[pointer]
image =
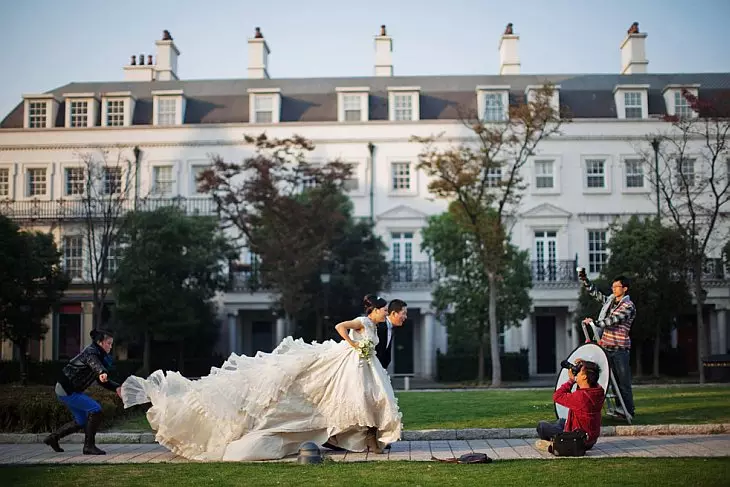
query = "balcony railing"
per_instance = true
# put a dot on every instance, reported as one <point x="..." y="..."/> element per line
<point x="553" y="273"/>
<point x="73" y="209"/>
<point x="411" y="275"/>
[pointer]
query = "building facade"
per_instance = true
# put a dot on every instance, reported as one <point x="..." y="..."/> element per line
<point x="579" y="182"/>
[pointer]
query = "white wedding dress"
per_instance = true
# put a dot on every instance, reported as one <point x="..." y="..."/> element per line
<point x="265" y="407"/>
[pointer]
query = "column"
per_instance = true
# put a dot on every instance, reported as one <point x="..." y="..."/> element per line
<point x="429" y="328"/>
<point x="87" y="322"/>
<point x="280" y="330"/>
<point x="575" y="334"/>
<point x="47" y="340"/>
<point x="722" y="331"/>
<point x="232" y="333"/>
<point x="712" y="341"/>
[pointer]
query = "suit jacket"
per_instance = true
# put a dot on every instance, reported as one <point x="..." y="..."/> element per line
<point x="382" y="350"/>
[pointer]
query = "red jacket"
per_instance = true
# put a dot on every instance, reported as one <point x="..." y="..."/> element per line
<point x="584" y="409"/>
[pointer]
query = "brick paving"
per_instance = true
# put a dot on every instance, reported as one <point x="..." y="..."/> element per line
<point x="664" y="446"/>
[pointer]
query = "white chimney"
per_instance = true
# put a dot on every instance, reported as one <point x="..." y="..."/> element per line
<point x="383" y="54"/>
<point x="138" y="70"/>
<point x="167" y="54"/>
<point x="258" y="56"/>
<point x="633" y="51"/>
<point x="509" y="54"/>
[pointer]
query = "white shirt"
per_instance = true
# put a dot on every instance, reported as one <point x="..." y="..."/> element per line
<point x="390" y="331"/>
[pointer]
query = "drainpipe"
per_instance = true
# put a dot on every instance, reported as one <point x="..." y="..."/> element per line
<point x="371" y="149"/>
<point x="137" y="156"/>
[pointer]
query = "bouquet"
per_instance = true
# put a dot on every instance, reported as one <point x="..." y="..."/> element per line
<point x="366" y="349"/>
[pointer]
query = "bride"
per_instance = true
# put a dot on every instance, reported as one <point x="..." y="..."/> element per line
<point x="265" y="407"/>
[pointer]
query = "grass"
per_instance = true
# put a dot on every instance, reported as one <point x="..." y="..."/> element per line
<point x="523" y="409"/>
<point x="568" y="472"/>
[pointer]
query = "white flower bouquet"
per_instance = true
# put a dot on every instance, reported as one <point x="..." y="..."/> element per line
<point x="366" y="349"/>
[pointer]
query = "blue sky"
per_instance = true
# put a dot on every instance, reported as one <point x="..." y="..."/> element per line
<point x="48" y="43"/>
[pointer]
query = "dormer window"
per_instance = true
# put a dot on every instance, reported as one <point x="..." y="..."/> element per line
<point x="631" y="101"/>
<point x="676" y="103"/>
<point x="264" y="105"/>
<point x="404" y="103"/>
<point x="117" y="109"/>
<point x="352" y="104"/>
<point x="493" y="103"/>
<point x="531" y="94"/>
<point x="80" y="110"/>
<point x="40" y="111"/>
<point x="168" y="107"/>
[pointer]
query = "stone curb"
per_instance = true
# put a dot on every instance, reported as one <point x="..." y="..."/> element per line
<point x="421" y="435"/>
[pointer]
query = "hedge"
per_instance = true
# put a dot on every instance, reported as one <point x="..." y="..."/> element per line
<point x="35" y="409"/>
<point x="462" y="367"/>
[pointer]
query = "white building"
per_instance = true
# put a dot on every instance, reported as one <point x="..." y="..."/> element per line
<point x="579" y="182"/>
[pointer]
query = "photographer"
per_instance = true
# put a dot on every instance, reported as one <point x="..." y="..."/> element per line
<point x="584" y="406"/>
<point x="615" y="319"/>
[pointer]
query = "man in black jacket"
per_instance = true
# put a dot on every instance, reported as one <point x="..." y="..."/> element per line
<point x="397" y="315"/>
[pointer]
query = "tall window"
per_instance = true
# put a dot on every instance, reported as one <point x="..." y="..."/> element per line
<point x="403" y="107"/>
<point x="74" y="181"/>
<point x="401" y="248"/>
<point x="112" y="180"/>
<point x="37" y="114"/>
<point x="685" y="176"/>
<point x="632" y="104"/>
<point x="401" y="172"/>
<point x="112" y="257"/>
<point x="352" y="105"/>
<point x="634" y="173"/>
<point x="195" y="174"/>
<point x="166" y="110"/>
<point x="4" y="182"/>
<point x="36" y="182"/>
<point x="544" y="178"/>
<point x="681" y="105"/>
<point x="73" y="256"/>
<point x="263" y="108"/>
<point x="115" y="113"/>
<point x="493" y="107"/>
<point x="162" y="180"/>
<point x="595" y="173"/>
<point x="597" y="255"/>
<point x="494" y="176"/>
<point x="79" y="113"/>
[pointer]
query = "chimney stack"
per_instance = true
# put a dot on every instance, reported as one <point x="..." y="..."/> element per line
<point x="167" y="54"/>
<point x="509" y="54"/>
<point x="633" y="51"/>
<point x="258" y="56"/>
<point x="383" y="54"/>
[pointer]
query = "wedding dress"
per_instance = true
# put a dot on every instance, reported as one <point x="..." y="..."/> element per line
<point x="264" y="407"/>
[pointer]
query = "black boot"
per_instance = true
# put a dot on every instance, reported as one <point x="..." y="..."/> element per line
<point x="92" y="425"/>
<point x="65" y="430"/>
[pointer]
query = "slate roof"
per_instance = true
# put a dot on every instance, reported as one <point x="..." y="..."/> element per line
<point x="442" y="97"/>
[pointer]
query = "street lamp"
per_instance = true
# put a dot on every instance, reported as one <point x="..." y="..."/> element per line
<point x="325" y="278"/>
<point x="655" y="146"/>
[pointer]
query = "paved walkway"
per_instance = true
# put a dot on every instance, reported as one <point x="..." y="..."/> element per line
<point x="504" y="449"/>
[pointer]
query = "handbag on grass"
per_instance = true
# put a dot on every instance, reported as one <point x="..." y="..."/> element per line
<point x="570" y="444"/>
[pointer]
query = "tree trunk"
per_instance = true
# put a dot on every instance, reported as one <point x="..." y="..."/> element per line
<point x="699" y="301"/>
<point x="494" y="331"/>
<point x="639" y="352"/>
<point x="480" y="366"/>
<point x="97" y="316"/>
<point x="147" y="354"/>
<point x="657" y="343"/>
<point x="23" y="359"/>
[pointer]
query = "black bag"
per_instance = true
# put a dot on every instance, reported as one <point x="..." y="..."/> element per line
<point x="466" y="458"/>
<point x="570" y="444"/>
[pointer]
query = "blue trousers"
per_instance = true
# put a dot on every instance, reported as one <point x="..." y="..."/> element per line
<point x="620" y="361"/>
<point x="80" y="405"/>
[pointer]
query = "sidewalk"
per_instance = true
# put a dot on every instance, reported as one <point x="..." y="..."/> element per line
<point x="497" y="449"/>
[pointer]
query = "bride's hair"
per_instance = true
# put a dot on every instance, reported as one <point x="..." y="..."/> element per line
<point x="372" y="302"/>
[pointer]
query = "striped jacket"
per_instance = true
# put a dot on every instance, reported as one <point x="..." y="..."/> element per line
<point x="615" y="318"/>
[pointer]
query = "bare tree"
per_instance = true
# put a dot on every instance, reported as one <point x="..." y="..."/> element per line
<point x="483" y="180"/>
<point x="106" y="185"/>
<point x="693" y="185"/>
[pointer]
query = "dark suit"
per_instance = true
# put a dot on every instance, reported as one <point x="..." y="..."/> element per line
<point x="382" y="350"/>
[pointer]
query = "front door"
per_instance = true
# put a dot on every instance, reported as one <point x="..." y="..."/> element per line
<point x="545" y="256"/>
<point x="401" y="256"/>
<point x="545" y="335"/>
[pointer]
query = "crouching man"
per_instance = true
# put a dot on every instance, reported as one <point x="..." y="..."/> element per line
<point x="584" y="407"/>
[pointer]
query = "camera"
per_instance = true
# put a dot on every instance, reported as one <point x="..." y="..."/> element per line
<point x="574" y="367"/>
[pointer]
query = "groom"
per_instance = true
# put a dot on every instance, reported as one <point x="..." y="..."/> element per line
<point x="397" y="315"/>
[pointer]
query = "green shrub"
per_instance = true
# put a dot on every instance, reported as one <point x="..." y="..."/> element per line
<point x="36" y="409"/>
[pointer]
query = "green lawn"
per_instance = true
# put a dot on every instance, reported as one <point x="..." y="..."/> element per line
<point x="523" y="409"/>
<point x="562" y="472"/>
